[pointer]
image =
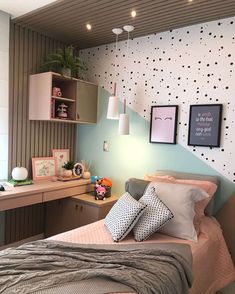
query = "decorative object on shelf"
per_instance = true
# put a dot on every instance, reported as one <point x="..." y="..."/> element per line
<point x="68" y="169"/>
<point x="78" y="169"/>
<point x="87" y="166"/>
<point x="14" y="183"/>
<point x="64" y="61"/>
<point x="52" y="108"/>
<point x="56" y="91"/>
<point x="19" y="173"/>
<point x="44" y="168"/>
<point x="205" y="125"/>
<point x="95" y="178"/>
<point x="113" y="105"/>
<point x="2" y="189"/>
<point x="100" y="192"/>
<point x="61" y="156"/>
<point x="102" y="188"/>
<point x="163" y="124"/>
<point x="124" y="125"/>
<point x="62" y="111"/>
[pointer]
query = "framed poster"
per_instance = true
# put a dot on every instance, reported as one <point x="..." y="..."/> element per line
<point x="205" y="125"/>
<point x="62" y="156"/>
<point x="163" y="124"/>
<point x="44" y="168"/>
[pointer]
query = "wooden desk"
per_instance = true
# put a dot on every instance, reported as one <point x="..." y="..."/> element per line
<point x="41" y="192"/>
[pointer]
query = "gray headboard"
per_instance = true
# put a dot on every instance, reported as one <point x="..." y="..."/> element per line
<point x="136" y="187"/>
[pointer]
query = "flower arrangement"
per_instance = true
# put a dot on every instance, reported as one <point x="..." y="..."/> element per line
<point x="86" y="165"/>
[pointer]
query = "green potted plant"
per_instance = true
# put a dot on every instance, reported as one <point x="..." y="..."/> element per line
<point x="65" y="62"/>
<point x="68" y="169"/>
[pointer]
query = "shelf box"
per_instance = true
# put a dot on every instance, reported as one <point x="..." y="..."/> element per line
<point x="80" y="97"/>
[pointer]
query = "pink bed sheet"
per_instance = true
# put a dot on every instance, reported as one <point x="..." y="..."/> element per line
<point x="212" y="264"/>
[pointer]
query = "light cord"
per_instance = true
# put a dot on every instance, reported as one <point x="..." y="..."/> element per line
<point x="128" y="72"/>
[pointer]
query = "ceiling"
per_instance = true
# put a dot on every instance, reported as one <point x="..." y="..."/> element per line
<point x="66" y="20"/>
<point x="18" y="7"/>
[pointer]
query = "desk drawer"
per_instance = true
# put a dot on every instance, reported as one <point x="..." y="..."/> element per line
<point x="20" y="201"/>
<point x="66" y="192"/>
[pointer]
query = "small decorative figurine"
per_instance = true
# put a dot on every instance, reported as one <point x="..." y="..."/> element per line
<point x="100" y="192"/>
<point x="62" y="111"/>
<point x="102" y="187"/>
<point x="56" y="92"/>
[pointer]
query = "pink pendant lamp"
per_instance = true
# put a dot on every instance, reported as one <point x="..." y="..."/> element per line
<point x="113" y="105"/>
<point x="124" y="124"/>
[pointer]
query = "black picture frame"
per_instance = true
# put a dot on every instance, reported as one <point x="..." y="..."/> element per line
<point x="205" y="125"/>
<point x="163" y="124"/>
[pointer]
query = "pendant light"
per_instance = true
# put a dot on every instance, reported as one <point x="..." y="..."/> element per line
<point x="124" y="117"/>
<point x="113" y="105"/>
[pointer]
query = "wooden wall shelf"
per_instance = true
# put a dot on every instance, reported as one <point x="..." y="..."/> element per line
<point x="80" y="98"/>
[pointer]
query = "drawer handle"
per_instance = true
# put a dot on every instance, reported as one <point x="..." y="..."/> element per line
<point x="76" y="206"/>
<point x="78" y="116"/>
<point x="81" y="208"/>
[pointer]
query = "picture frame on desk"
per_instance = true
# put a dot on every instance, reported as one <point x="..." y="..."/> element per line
<point x="44" y="168"/>
<point x="61" y="156"/>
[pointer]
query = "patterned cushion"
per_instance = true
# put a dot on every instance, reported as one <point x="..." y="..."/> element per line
<point x="123" y="216"/>
<point x="156" y="215"/>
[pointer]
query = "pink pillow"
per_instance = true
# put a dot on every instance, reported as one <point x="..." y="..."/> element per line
<point x="158" y="178"/>
<point x="209" y="187"/>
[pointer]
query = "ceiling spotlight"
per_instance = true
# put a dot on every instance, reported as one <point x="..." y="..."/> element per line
<point x="133" y="13"/>
<point x="88" y="26"/>
<point x="190" y="1"/>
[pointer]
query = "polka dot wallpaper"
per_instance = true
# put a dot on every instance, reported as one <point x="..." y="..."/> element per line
<point x="191" y="65"/>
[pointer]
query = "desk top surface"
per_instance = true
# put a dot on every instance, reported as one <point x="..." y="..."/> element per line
<point x="39" y="187"/>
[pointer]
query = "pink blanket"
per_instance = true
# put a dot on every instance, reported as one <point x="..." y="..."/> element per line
<point x="212" y="264"/>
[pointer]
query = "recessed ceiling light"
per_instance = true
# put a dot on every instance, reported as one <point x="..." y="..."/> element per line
<point x="133" y="13"/>
<point x="88" y="26"/>
<point x="190" y="1"/>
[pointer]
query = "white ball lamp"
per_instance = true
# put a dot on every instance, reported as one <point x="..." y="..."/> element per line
<point x="19" y="173"/>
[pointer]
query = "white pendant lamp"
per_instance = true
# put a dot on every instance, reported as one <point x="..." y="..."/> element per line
<point x="124" y="124"/>
<point x="123" y="127"/>
<point x="113" y="105"/>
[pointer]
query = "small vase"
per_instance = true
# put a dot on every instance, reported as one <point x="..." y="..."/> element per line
<point x="67" y="173"/>
<point x="86" y="175"/>
<point x="66" y="72"/>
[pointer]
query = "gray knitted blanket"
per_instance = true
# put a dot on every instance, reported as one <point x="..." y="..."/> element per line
<point x="143" y="268"/>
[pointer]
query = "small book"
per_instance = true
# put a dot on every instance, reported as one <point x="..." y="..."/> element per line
<point x="14" y="183"/>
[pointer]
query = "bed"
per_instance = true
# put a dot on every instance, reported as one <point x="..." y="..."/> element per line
<point x="212" y="266"/>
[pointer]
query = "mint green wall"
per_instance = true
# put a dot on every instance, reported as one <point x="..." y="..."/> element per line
<point x="133" y="155"/>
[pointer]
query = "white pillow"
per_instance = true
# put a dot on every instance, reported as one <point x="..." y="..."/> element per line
<point x="180" y="199"/>
<point x="123" y="216"/>
<point x="156" y="215"/>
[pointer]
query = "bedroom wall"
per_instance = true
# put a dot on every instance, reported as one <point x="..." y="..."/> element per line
<point x="27" y="138"/>
<point x="4" y="97"/>
<point x="191" y="65"/>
